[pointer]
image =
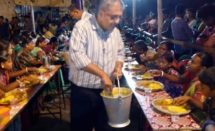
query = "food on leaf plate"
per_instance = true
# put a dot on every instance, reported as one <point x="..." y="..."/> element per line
<point x="149" y="84"/>
<point x="42" y="70"/>
<point x="13" y="97"/>
<point x="30" y="80"/>
<point x="167" y="106"/>
<point x="145" y="76"/>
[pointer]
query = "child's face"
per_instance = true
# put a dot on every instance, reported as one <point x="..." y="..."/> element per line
<point x="43" y="44"/>
<point x="30" y="46"/>
<point x="194" y="64"/>
<point x="7" y="65"/>
<point x="138" y="50"/>
<point x="163" y="64"/>
<point x="162" y="49"/>
<point x="206" y="90"/>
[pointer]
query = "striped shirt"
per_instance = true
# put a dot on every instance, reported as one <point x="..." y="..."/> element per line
<point x="90" y="44"/>
<point x="85" y="15"/>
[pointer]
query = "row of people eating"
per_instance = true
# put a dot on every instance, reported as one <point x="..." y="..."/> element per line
<point x="187" y="80"/>
<point x="19" y="59"/>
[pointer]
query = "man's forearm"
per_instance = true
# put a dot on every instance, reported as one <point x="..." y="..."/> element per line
<point x="94" y="69"/>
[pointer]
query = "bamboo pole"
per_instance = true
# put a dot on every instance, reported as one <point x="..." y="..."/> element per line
<point x="160" y="20"/>
<point x="133" y="12"/>
<point x="33" y="18"/>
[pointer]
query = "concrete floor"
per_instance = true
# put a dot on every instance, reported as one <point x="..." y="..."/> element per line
<point x="48" y="123"/>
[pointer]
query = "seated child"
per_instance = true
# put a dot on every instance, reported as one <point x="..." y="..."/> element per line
<point x="139" y="48"/>
<point x="150" y="57"/>
<point x="165" y="63"/>
<point x="198" y="62"/>
<point x="207" y="87"/>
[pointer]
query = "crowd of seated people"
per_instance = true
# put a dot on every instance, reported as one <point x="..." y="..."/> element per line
<point x="23" y="52"/>
<point x="7" y="74"/>
<point x="191" y="76"/>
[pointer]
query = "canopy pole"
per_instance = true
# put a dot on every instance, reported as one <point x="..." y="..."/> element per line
<point x="160" y="20"/>
<point x="33" y="18"/>
<point x="79" y="4"/>
<point x="133" y="12"/>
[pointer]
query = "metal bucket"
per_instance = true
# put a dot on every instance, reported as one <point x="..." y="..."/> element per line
<point x="118" y="106"/>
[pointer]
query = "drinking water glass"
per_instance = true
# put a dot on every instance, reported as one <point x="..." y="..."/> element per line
<point x="174" y="118"/>
<point x="147" y="96"/>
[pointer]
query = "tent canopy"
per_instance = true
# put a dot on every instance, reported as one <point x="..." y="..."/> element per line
<point x="44" y="3"/>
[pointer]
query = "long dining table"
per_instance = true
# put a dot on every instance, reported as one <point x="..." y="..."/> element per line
<point x="9" y="112"/>
<point x="156" y="119"/>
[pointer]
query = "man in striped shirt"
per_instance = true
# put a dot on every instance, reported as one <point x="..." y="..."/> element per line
<point x="96" y="56"/>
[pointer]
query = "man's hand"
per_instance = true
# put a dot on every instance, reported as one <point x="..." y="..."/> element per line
<point x="107" y="83"/>
<point x="94" y="69"/>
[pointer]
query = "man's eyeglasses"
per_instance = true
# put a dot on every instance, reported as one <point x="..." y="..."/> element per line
<point x="114" y="17"/>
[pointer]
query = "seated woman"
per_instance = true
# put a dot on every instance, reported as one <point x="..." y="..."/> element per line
<point x="51" y="47"/>
<point x="194" y="88"/>
<point x="6" y="73"/>
<point x="207" y="87"/>
<point x="198" y="62"/>
<point x="37" y="51"/>
<point x="55" y="57"/>
<point x="24" y="58"/>
<point x="6" y="65"/>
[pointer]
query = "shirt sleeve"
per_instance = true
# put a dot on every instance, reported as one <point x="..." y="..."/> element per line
<point x="188" y="30"/>
<point x="77" y="48"/>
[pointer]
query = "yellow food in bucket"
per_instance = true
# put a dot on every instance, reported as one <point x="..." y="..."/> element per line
<point x="115" y="93"/>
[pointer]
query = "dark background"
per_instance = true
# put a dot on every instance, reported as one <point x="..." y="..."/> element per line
<point x="145" y="6"/>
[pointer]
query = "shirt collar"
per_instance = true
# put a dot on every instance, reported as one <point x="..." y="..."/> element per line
<point x="84" y="14"/>
<point x="95" y="26"/>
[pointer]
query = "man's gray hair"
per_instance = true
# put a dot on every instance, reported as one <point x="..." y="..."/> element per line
<point x="106" y="4"/>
